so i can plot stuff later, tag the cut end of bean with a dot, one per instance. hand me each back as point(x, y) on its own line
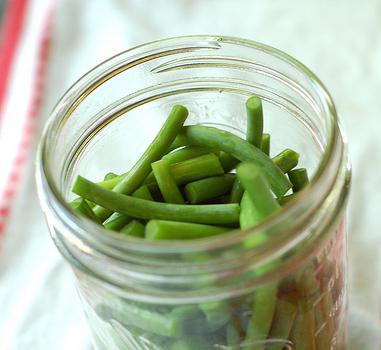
point(254, 103)
point(298, 178)
point(133, 228)
point(286, 160)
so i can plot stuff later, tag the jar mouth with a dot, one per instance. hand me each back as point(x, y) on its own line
point(55, 206)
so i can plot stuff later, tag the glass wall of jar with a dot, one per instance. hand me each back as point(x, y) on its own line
point(288, 293)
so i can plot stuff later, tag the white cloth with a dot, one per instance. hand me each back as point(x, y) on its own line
point(339, 40)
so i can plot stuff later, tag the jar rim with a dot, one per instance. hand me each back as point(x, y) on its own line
point(52, 199)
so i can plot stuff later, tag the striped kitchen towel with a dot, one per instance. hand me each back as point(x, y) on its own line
point(24, 46)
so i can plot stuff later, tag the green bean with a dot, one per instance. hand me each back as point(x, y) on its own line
point(233, 331)
point(266, 144)
point(155, 151)
point(257, 204)
point(179, 142)
point(227, 161)
point(198, 135)
point(283, 321)
point(298, 178)
point(262, 315)
point(180, 155)
point(81, 206)
point(255, 184)
point(161, 229)
point(211, 187)
point(110, 176)
point(186, 153)
point(219, 200)
point(117, 221)
point(236, 192)
point(196, 169)
point(167, 184)
point(111, 183)
point(214, 214)
point(286, 160)
point(143, 192)
point(133, 228)
point(286, 199)
point(254, 112)
point(248, 216)
point(308, 288)
point(217, 314)
point(148, 319)
point(254, 135)
point(302, 334)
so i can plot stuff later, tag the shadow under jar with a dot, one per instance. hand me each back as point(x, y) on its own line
point(216, 293)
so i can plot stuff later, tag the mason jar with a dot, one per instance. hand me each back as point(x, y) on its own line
point(214, 293)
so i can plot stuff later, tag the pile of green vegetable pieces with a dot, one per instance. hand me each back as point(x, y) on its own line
point(198, 181)
point(195, 181)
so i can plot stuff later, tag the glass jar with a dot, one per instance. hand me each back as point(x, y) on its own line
point(288, 293)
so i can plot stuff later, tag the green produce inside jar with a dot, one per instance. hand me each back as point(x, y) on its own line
point(198, 181)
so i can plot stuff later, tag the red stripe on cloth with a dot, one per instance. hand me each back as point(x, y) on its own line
point(10, 36)
point(30, 125)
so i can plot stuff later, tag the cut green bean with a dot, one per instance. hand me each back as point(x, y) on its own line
point(283, 321)
point(117, 221)
point(219, 200)
point(298, 178)
point(154, 152)
point(161, 323)
point(166, 182)
point(111, 183)
point(255, 184)
point(286, 160)
point(214, 214)
point(208, 188)
point(81, 206)
point(302, 334)
point(181, 155)
point(195, 169)
point(217, 314)
point(249, 216)
point(286, 199)
point(110, 176)
point(234, 331)
point(257, 204)
point(186, 153)
point(236, 192)
point(254, 135)
point(205, 136)
point(266, 144)
point(161, 229)
point(254, 112)
point(133, 228)
point(227, 161)
point(143, 193)
point(259, 324)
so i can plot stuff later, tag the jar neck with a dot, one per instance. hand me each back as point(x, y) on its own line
point(199, 268)
point(214, 269)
